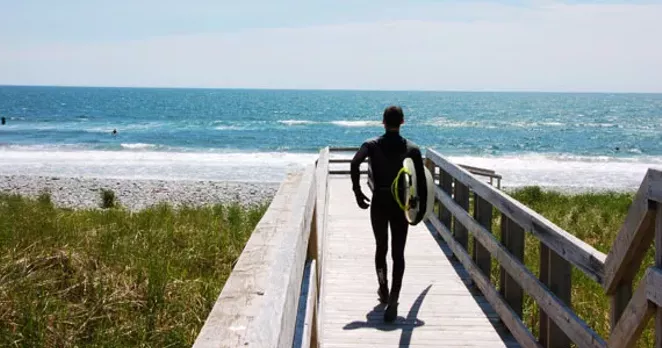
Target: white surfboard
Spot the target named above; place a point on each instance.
(412, 202)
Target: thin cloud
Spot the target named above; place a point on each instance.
(475, 46)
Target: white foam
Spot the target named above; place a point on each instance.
(296, 122)
(347, 123)
(567, 171)
(554, 171)
(236, 166)
(137, 146)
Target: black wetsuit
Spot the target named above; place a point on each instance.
(385, 155)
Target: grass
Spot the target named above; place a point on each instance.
(596, 219)
(110, 277)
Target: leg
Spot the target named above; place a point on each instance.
(379, 222)
(399, 229)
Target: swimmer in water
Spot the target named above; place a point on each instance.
(114, 131)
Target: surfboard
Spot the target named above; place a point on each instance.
(413, 204)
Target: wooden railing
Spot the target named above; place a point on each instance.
(271, 297)
(490, 174)
(559, 252)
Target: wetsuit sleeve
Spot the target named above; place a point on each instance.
(359, 157)
(417, 158)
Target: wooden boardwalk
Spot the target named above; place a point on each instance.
(306, 276)
(438, 304)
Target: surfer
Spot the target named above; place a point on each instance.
(114, 132)
(4, 120)
(385, 155)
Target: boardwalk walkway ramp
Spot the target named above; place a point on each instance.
(306, 276)
(439, 306)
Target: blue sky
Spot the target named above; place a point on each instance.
(417, 45)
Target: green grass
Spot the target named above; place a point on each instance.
(110, 277)
(596, 219)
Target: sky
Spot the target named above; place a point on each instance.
(542, 45)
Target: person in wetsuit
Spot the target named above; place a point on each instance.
(385, 156)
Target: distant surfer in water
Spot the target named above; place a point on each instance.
(114, 132)
(386, 154)
(4, 120)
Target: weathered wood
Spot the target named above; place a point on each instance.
(512, 238)
(543, 323)
(436, 308)
(321, 211)
(559, 282)
(509, 317)
(257, 306)
(654, 286)
(446, 184)
(580, 254)
(619, 300)
(654, 279)
(635, 235)
(462, 199)
(483, 214)
(578, 331)
(634, 318)
(309, 335)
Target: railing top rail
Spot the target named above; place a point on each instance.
(472, 169)
(258, 303)
(582, 255)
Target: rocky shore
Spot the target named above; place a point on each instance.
(81, 192)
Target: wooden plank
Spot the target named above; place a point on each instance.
(634, 318)
(510, 318)
(654, 280)
(309, 336)
(654, 286)
(578, 331)
(635, 234)
(559, 282)
(483, 214)
(512, 238)
(436, 308)
(265, 283)
(321, 213)
(462, 199)
(619, 300)
(580, 254)
(446, 184)
(543, 323)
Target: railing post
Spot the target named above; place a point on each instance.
(483, 214)
(556, 274)
(512, 237)
(462, 199)
(658, 264)
(432, 168)
(446, 183)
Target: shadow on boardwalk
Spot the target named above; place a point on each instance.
(374, 319)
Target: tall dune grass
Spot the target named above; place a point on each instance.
(110, 277)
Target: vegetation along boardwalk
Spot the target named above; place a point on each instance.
(306, 276)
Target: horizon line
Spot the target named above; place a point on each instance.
(335, 89)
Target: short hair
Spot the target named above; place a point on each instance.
(393, 116)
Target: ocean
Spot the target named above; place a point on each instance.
(565, 140)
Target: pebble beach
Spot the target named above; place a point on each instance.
(85, 193)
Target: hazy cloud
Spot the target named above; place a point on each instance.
(456, 46)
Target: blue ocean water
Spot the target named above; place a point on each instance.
(542, 138)
(304, 121)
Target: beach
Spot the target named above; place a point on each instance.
(85, 192)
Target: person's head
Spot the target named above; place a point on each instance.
(393, 118)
